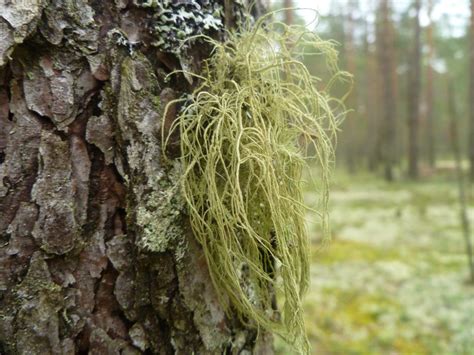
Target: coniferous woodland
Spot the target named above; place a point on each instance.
(397, 275)
(213, 177)
(402, 55)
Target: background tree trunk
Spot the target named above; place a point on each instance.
(82, 94)
(386, 62)
(372, 95)
(288, 4)
(413, 100)
(351, 65)
(471, 93)
(429, 112)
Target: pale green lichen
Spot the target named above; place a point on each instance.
(243, 142)
(160, 217)
(154, 201)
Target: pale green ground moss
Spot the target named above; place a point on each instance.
(392, 280)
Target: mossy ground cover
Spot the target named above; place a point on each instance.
(392, 280)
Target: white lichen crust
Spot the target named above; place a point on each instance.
(174, 22)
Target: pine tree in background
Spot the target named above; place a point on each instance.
(413, 91)
(471, 94)
(386, 64)
(373, 97)
(289, 12)
(429, 112)
(350, 55)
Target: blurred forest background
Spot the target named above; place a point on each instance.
(397, 277)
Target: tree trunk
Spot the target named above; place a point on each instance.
(288, 4)
(413, 99)
(386, 61)
(462, 196)
(82, 187)
(471, 94)
(350, 55)
(372, 90)
(430, 114)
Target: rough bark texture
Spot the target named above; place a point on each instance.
(82, 190)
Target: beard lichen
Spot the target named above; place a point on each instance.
(244, 137)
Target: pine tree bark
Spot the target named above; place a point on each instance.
(430, 113)
(82, 95)
(471, 94)
(386, 63)
(413, 99)
(352, 100)
(372, 102)
(288, 4)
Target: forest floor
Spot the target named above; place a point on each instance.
(393, 278)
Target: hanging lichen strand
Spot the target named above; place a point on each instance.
(244, 136)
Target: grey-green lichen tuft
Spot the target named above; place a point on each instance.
(243, 141)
